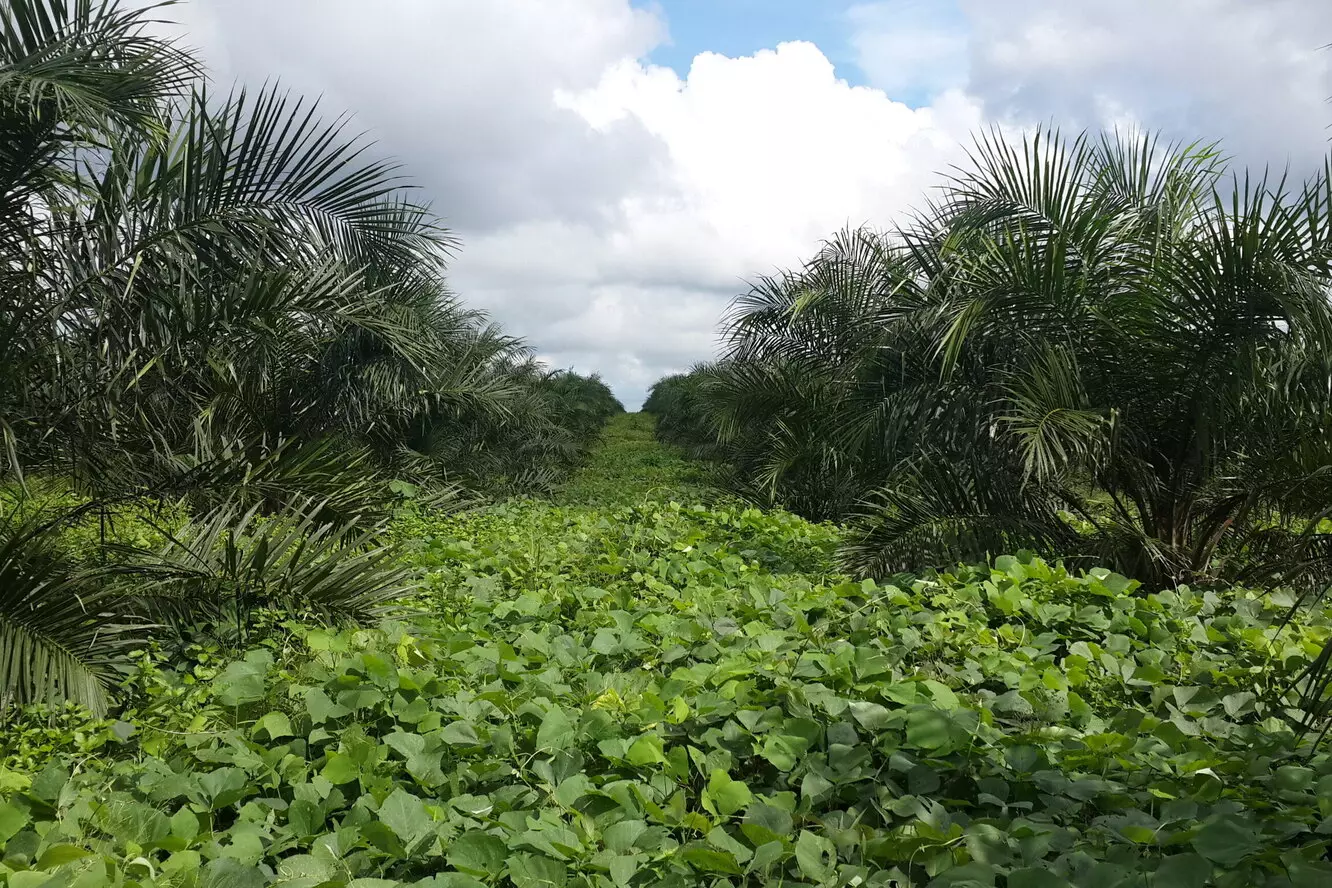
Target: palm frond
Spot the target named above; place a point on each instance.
(63, 627)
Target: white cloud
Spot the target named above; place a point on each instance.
(459, 91)
(767, 154)
(609, 209)
(764, 156)
(1251, 74)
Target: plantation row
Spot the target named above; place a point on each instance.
(1110, 349)
(619, 689)
(227, 353)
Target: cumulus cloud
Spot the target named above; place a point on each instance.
(765, 156)
(610, 208)
(459, 91)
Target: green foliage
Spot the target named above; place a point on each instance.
(560, 415)
(647, 692)
(61, 625)
(220, 572)
(625, 469)
(679, 405)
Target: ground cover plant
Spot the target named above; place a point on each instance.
(620, 687)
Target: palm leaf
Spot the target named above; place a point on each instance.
(62, 625)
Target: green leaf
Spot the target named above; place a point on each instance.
(775, 822)
(765, 855)
(58, 855)
(406, 815)
(304, 868)
(623, 867)
(131, 820)
(275, 724)
(571, 790)
(556, 731)
(12, 819)
(461, 733)
(450, 880)
(224, 787)
(478, 853)
(48, 784)
(423, 766)
(184, 824)
(929, 729)
(870, 716)
(620, 837)
(815, 855)
(243, 681)
(29, 879)
(728, 795)
(321, 707)
(710, 860)
(1034, 877)
(1309, 873)
(784, 750)
(1293, 778)
(646, 750)
(1226, 841)
(305, 818)
(340, 769)
(13, 781)
(535, 871)
(1184, 871)
(968, 875)
(227, 873)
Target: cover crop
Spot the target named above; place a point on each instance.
(617, 689)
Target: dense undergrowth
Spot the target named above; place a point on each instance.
(639, 682)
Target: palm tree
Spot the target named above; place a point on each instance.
(1096, 347)
(231, 302)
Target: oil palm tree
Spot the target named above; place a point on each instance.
(226, 300)
(1102, 347)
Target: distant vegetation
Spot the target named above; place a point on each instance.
(227, 351)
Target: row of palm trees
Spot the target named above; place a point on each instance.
(1103, 348)
(228, 310)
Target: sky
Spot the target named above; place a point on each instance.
(617, 170)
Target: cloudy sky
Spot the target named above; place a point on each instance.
(617, 169)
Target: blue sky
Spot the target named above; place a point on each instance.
(742, 27)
